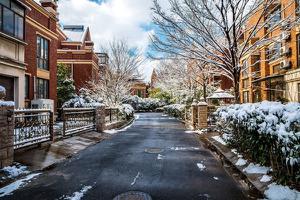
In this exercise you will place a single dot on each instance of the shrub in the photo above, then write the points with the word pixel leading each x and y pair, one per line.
pixel 144 104
pixel 126 110
pixel 267 133
pixel 175 110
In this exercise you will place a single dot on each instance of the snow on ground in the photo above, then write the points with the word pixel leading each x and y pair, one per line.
pixel 219 139
pixel 80 194
pixel 9 189
pixel 201 166
pixel 135 178
pixel 256 169
pixel 216 178
pixel 184 148
pixel 111 132
pixel 15 170
pixel 7 103
pixel 197 131
pixel 266 178
pixel 160 157
pixel 114 131
pixel 241 162
pixel 279 192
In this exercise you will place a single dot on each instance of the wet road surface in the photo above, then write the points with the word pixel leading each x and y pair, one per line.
pixel 155 155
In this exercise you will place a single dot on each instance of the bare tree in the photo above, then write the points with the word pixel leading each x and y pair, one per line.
pixel 219 32
pixel 115 81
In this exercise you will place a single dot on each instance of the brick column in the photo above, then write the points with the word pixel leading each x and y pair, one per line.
pixel 100 118
pixel 194 113
pixel 202 115
pixel 6 136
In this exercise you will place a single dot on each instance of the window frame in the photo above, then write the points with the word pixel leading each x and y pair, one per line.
pixel 42 92
pixel 16 33
pixel 42 55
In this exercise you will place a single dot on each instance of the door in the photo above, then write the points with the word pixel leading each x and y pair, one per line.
pixel 9 84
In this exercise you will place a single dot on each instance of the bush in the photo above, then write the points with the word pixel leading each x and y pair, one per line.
pixel 126 110
pixel 144 104
pixel 267 133
pixel 175 110
pixel 83 100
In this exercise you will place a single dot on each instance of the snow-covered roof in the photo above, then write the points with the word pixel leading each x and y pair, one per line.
pixel 75 33
pixel 221 94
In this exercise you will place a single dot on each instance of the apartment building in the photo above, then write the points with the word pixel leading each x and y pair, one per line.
pixel 272 72
pixel 76 51
pixel 139 88
pixel 41 54
pixel 12 49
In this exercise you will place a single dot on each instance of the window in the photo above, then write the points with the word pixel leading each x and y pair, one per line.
pixel 12 19
pixel 276 69
pixel 273 51
pixel 245 69
pixel 42 53
pixel 27 79
pixel 246 97
pixel 245 83
pixel 42 88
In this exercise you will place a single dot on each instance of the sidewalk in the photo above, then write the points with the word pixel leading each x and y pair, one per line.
pixel 46 156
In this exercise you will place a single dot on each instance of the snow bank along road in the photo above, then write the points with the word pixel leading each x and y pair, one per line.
pixel 155 155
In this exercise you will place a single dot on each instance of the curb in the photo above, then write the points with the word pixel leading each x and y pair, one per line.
pixel 255 186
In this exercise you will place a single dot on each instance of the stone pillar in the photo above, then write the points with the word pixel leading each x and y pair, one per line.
pixel 202 115
pixel 100 118
pixel 6 135
pixel 194 113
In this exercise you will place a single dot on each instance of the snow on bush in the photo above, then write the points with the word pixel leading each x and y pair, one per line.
pixel 126 110
pixel 279 192
pixel 175 110
pixel 144 104
pixel 83 100
pixel 267 132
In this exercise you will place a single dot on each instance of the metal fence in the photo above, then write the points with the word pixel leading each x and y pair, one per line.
pixel 76 120
pixel 32 126
pixel 212 118
pixel 112 115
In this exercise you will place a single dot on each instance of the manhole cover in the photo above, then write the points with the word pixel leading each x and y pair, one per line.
pixel 154 150
pixel 133 195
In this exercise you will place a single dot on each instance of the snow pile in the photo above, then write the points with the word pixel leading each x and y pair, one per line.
pixel 241 162
pixel 80 194
pixel 219 139
pixel 266 132
pixel 201 166
pixel 9 189
pixel 7 103
pixel 15 170
pixel 175 110
pixel 279 192
pixel 256 169
pixel 126 110
pixel 265 178
pixel 144 104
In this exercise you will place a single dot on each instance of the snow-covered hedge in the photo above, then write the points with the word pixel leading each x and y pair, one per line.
pixel 267 132
pixel 144 104
pixel 126 110
pixel 83 100
pixel 175 110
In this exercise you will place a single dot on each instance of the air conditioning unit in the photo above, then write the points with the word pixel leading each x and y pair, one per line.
pixel 285 64
pixel 43 104
pixel 285 51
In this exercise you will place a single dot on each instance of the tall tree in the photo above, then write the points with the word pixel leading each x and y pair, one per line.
pixel 65 84
pixel 115 81
pixel 218 31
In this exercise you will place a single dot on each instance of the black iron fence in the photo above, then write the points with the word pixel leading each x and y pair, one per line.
pixel 32 126
pixel 211 116
pixel 76 120
pixel 112 115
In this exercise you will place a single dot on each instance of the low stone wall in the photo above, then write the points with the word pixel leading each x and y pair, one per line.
pixel 6 136
pixel 119 124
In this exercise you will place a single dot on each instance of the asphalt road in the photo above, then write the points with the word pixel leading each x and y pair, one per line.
pixel 155 155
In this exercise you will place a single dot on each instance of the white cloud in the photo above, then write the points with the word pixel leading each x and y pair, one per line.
pixel 112 19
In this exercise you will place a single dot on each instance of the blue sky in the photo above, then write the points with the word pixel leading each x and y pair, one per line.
pixel 109 19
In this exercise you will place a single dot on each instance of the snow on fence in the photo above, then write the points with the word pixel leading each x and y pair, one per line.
pixel 76 120
pixel 32 126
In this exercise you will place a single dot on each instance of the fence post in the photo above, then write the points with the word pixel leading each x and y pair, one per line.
pixel 202 115
pixel 110 115
pixel 64 122
pixel 100 118
pixel 194 113
pixel 6 135
pixel 51 130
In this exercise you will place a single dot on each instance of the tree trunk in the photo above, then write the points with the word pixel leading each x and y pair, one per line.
pixel 204 90
pixel 237 89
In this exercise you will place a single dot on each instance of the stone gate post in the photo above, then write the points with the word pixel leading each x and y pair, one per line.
pixel 202 115
pixel 100 118
pixel 194 113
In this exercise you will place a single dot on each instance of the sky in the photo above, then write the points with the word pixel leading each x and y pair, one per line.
pixel 109 19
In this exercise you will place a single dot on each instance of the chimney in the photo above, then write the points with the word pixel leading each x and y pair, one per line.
pixel 50 6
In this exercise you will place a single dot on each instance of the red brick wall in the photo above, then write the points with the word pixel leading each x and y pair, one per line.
pixel 82 73
pixel 31 50
pixel 226 83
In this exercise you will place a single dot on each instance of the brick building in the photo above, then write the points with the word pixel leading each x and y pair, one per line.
pixel 139 88
pixel 76 50
pixel 41 51
pixel 272 72
pixel 12 47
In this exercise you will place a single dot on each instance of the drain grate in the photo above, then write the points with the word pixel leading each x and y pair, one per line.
pixel 133 195
pixel 153 150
